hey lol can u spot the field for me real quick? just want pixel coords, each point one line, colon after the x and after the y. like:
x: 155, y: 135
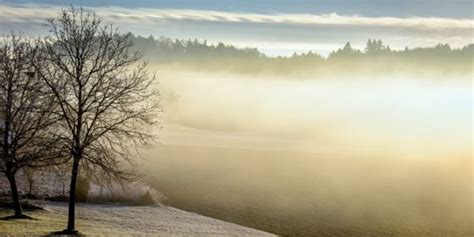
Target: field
x: 319, y: 195
x: 113, y: 220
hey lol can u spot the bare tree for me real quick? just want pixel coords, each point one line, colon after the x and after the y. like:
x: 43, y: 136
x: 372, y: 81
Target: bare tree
x: 30, y: 175
x: 62, y: 173
x: 103, y: 90
x: 26, y: 114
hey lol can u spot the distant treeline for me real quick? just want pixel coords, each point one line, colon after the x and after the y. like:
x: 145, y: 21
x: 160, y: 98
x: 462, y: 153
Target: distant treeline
x: 375, y: 58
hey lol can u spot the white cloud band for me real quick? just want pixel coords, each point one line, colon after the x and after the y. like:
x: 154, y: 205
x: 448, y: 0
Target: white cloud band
x: 34, y: 13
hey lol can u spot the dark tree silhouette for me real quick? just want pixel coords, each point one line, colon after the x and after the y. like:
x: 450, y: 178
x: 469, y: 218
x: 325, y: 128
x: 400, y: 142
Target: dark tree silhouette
x: 104, y: 93
x: 376, y: 47
x: 376, y: 57
x: 26, y: 114
x: 347, y: 52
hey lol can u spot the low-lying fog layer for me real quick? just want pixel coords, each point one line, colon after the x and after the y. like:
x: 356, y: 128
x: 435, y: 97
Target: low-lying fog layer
x: 377, y: 114
x: 393, y: 152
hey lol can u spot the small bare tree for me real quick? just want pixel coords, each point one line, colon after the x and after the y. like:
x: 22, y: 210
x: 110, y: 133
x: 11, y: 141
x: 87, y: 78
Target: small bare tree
x: 26, y: 114
x: 104, y: 93
x: 30, y: 175
x: 62, y: 173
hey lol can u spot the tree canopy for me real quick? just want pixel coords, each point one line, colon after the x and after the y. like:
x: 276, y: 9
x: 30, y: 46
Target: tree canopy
x: 375, y: 57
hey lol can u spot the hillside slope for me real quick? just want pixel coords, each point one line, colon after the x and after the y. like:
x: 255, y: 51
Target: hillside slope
x: 113, y: 220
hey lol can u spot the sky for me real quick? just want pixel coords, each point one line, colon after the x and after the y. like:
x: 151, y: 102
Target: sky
x: 275, y: 27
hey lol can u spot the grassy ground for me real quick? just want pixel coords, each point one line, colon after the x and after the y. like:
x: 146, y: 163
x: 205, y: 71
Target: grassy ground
x: 44, y: 222
x: 113, y: 220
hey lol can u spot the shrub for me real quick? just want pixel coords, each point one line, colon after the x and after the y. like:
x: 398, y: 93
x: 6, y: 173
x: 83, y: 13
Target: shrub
x: 146, y: 200
x: 83, y: 186
x: 134, y: 193
x: 58, y: 198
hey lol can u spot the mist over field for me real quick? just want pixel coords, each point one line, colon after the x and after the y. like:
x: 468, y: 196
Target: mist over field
x: 388, y: 155
x: 254, y: 118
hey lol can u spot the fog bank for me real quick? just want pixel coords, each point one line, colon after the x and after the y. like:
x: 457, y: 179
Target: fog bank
x: 347, y: 156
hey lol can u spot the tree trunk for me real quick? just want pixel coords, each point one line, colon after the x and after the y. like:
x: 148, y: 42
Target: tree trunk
x: 15, y: 196
x: 72, y: 196
x: 30, y: 187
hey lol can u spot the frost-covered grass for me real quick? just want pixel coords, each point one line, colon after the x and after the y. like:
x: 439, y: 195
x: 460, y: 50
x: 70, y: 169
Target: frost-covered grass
x: 113, y: 220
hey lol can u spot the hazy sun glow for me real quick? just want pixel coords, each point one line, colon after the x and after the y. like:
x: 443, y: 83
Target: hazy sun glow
x: 394, y: 114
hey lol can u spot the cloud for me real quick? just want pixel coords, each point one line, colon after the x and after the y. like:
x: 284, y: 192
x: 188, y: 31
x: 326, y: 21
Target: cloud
x: 33, y: 13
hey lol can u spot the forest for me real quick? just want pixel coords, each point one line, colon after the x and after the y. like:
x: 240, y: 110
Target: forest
x: 375, y: 58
